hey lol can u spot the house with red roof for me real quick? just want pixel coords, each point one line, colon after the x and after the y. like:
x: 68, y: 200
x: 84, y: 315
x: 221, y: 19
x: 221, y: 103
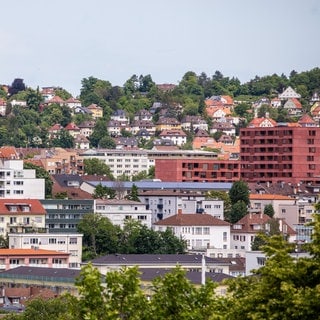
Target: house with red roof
x: 200, y: 231
x: 247, y: 228
x: 21, y: 215
x: 262, y: 123
x: 35, y: 257
x: 96, y: 111
x: 217, y: 112
x: 177, y: 136
x: 73, y: 129
x: 293, y: 107
x: 54, y: 131
x: 56, y: 100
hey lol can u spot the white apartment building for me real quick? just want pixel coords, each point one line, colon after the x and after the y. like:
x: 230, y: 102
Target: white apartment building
x: 200, y: 231
x: 118, y: 211
x: 19, y: 183
x: 69, y: 243
x: 166, y: 203
x: 121, y: 162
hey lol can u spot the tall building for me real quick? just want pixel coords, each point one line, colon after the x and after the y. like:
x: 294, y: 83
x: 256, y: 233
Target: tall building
x: 280, y: 153
x: 15, y: 181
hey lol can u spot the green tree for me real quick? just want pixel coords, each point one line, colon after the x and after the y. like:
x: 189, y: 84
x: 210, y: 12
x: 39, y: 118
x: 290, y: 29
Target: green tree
x: 268, y: 210
x: 33, y: 99
x: 100, y: 236
x: 103, y: 192
x: 133, y: 194
x: 176, y: 298
x: 238, y: 211
x: 107, y: 142
x: 63, y: 140
x: 98, y: 167
x: 41, y: 173
x: 124, y: 296
x: 239, y: 191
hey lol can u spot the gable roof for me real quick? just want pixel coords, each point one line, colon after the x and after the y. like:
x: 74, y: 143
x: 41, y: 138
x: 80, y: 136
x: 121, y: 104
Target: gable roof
x: 34, y: 205
x: 192, y: 220
x: 8, y: 152
x: 262, y: 122
x: 289, y: 93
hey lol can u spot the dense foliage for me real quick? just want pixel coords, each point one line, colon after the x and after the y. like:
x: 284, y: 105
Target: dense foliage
x: 101, y: 237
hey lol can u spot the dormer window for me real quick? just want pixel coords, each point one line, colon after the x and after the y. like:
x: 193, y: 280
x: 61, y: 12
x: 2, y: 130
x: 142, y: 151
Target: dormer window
x: 25, y: 208
x: 13, y: 209
x: 237, y: 226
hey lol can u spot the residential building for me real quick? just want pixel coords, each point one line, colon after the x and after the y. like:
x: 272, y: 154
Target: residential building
x: 63, y: 215
x: 289, y: 93
x: 70, y: 243
x: 61, y: 161
x: 189, y: 262
x: 281, y: 153
x: 293, y: 107
x: 13, y: 258
x: 168, y: 123
x: 73, y: 129
x: 245, y: 230
x: 72, y: 103
x: 178, y: 137
x: 121, y: 162
x: 194, y: 166
x: 81, y: 142
x: 121, y: 116
x: 86, y: 128
x: 114, y: 127
x: 143, y: 115
x: 193, y: 123
x: 139, y: 125
x: 166, y: 203
x: 59, y: 280
x: 198, y: 230
x: 201, y: 188
x: 21, y: 215
x: 96, y: 111
x: 118, y: 211
x: 15, y: 181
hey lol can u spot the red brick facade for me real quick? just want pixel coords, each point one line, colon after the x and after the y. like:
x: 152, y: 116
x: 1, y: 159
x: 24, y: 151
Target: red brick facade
x: 280, y: 154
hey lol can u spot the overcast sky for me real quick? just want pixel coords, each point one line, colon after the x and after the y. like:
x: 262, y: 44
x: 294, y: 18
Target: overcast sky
x: 60, y: 42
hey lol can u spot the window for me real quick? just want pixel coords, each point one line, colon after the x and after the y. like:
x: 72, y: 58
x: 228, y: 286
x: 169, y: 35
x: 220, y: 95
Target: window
x: 206, y: 230
x: 225, y: 236
x: 33, y: 240
x: 57, y: 261
x: 61, y: 241
x: 52, y: 240
x: 261, y: 261
x: 74, y: 253
x: 142, y: 217
x: 73, y: 241
x: 198, y: 230
x: 13, y: 220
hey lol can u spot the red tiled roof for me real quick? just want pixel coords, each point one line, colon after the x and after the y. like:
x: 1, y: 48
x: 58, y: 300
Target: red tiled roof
x: 296, y: 102
x: 7, y: 152
x: 256, y: 196
x: 31, y: 252
x: 56, y: 99
x: 34, y: 205
x: 306, y: 119
x: 192, y: 220
x: 71, y: 126
x: 256, y: 122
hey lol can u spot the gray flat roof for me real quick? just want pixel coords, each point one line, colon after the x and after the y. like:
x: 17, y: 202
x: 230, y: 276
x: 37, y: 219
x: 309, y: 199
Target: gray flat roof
x: 152, y: 185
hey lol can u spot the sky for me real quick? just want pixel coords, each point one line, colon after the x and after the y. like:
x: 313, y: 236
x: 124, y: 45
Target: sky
x: 61, y: 42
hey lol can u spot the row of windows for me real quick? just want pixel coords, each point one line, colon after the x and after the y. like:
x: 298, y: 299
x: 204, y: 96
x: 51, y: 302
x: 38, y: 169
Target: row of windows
x: 44, y: 241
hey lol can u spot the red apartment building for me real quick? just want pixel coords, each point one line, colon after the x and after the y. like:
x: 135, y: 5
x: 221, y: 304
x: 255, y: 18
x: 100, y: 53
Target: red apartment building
x: 280, y: 153
x: 193, y: 166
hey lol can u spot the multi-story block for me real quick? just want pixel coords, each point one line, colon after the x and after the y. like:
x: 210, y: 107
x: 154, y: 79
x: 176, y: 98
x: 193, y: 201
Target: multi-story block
x: 13, y: 258
x: 61, y: 161
x: 21, y: 215
x: 63, y: 215
x: 70, y: 243
x: 15, y: 181
x: 166, y: 203
x: 122, y: 162
x: 281, y: 153
x: 194, y: 166
x: 198, y: 230
x: 118, y: 211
